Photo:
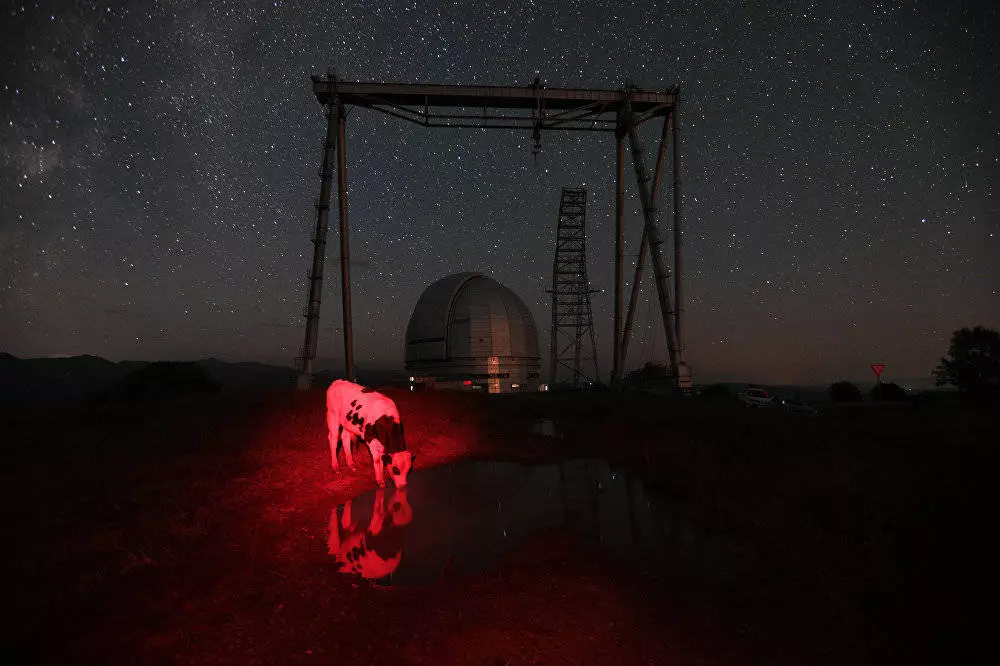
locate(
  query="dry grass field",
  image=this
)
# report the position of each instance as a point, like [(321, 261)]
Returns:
[(194, 531)]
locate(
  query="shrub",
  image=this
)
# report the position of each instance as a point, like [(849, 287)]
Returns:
[(888, 391), (844, 392)]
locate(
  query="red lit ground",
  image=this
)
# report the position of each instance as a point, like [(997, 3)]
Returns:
[(195, 533)]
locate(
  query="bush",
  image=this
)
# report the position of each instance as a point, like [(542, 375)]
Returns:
[(888, 391), (844, 392)]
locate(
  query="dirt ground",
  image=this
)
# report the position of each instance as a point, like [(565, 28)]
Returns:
[(193, 531)]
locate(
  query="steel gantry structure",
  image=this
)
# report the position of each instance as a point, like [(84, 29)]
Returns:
[(536, 108)]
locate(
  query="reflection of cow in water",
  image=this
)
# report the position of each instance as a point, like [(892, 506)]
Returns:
[(373, 552)]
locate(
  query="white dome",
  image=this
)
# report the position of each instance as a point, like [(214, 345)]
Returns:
[(467, 320)]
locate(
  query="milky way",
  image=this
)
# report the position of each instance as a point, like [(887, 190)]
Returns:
[(159, 164)]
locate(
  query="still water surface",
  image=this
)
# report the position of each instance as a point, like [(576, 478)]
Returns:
[(464, 517)]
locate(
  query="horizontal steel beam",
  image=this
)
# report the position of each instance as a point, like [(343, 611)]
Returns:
[(493, 97)]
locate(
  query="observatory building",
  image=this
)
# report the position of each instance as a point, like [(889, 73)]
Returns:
[(470, 332)]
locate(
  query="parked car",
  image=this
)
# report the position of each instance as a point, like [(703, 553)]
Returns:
[(755, 397), (794, 405)]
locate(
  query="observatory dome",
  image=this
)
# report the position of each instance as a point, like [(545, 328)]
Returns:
[(469, 331)]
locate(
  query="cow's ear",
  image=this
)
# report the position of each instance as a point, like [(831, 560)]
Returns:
[(386, 459)]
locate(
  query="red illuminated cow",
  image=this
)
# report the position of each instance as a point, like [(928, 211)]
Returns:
[(374, 552), (355, 412)]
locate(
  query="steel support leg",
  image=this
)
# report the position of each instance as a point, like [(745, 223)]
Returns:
[(345, 255), (643, 246), (678, 241), (554, 342), (308, 356), (650, 212), (616, 371)]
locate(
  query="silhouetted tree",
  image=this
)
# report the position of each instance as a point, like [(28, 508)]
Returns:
[(973, 361), (888, 391), (844, 392)]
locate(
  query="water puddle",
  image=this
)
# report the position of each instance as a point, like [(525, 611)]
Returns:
[(465, 517)]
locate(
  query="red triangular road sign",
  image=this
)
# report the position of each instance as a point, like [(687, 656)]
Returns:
[(878, 368)]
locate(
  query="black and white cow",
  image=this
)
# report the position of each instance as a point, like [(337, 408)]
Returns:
[(374, 552), (356, 412)]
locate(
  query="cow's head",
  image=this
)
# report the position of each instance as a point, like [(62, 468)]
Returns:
[(399, 508), (398, 466)]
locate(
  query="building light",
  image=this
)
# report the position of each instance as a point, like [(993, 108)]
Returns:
[(513, 386), (412, 379)]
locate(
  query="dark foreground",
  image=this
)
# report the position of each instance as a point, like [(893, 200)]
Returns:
[(196, 532)]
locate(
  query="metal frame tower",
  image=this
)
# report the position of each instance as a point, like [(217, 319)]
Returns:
[(535, 107), (572, 316)]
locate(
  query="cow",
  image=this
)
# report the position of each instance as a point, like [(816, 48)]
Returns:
[(374, 552), (356, 412)]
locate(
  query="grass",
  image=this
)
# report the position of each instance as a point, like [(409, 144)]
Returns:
[(193, 531)]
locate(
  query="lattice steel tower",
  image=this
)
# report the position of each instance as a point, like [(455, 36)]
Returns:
[(572, 316)]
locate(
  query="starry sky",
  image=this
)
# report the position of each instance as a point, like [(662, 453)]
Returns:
[(158, 164)]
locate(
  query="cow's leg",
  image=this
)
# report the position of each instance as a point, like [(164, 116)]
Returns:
[(377, 450), (345, 519), (378, 512), (333, 539), (334, 436), (348, 441)]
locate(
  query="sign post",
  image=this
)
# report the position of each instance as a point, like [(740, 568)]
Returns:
[(878, 368)]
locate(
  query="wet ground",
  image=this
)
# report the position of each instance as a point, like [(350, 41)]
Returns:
[(465, 517), (201, 534)]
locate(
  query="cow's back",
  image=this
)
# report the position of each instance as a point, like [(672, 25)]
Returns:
[(377, 404), (342, 392)]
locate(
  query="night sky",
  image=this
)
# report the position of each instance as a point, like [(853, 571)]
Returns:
[(159, 163)]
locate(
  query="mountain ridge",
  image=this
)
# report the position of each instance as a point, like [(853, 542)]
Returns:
[(35, 381)]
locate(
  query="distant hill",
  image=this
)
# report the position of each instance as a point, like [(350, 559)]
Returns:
[(28, 381), (249, 377), (373, 374), (34, 381)]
